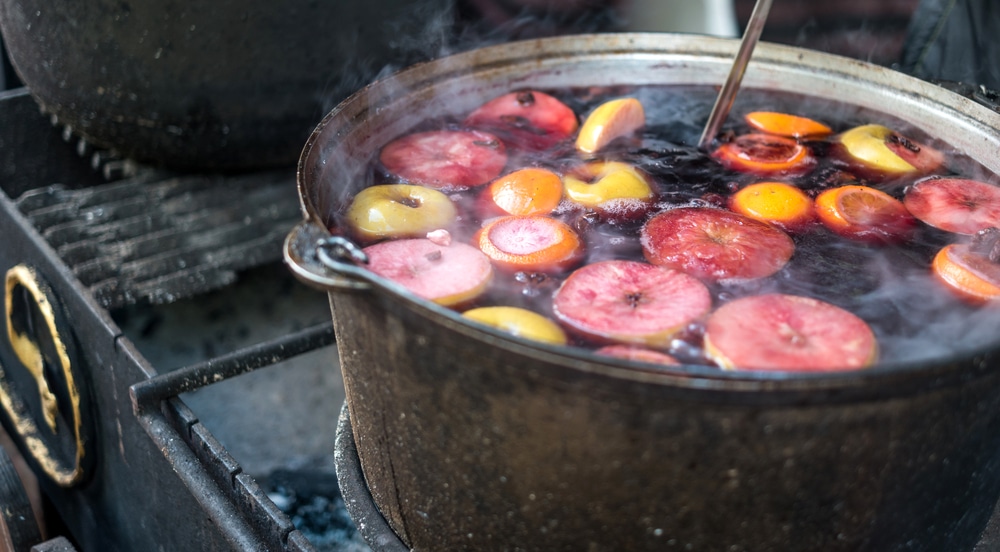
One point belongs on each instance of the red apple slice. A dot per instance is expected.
(955, 205)
(445, 159)
(640, 354)
(448, 275)
(715, 245)
(788, 333)
(765, 155)
(528, 119)
(630, 302)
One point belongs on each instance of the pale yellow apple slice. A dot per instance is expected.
(520, 322)
(611, 120)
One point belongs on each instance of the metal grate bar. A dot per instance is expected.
(159, 237)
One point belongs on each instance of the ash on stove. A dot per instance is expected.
(312, 500)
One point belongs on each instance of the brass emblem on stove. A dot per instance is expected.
(50, 392)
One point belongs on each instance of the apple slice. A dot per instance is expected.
(448, 275)
(520, 322)
(640, 354)
(609, 121)
(865, 214)
(399, 211)
(765, 155)
(630, 302)
(715, 245)
(883, 152)
(956, 205)
(616, 191)
(449, 160)
(777, 332)
(527, 119)
(530, 244)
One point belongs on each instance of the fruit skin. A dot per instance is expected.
(884, 152)
(520, 322)
(629, 302)
(640, 354)
(865, 214)
(970, 276)
(449, 160)
(715, 245)
(776, 203)
(956, 205)
(611, 120)
(398, 211)
(765, 155)
(448, 275)
(778, 332)
(530, 244)
(617, 191)
(784, 124)
(527, 119)
(524, 192)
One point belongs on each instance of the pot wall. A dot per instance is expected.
(472, 443)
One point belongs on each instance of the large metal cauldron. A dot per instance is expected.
(471, 439)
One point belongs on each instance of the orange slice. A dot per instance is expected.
(610, 121)
(536, 243)
(865, 214)
(765, 155)
(784, 124)
(971, 276)
(778, 203)
(530, 191)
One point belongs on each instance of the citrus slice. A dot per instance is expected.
(530, 244)
(777, 203)
(530, 191)
(609, 121)
(865, 214)
(520, 322)
(784, 124)
(788, 333)
(972, 276)
(765, 155)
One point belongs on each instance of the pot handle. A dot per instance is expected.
(324, 261)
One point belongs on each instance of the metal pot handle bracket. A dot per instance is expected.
(325, 261)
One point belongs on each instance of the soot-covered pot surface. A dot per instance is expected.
(473, 439)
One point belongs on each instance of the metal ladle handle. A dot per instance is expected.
(728, 93)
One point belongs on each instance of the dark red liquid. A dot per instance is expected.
(889, 286)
